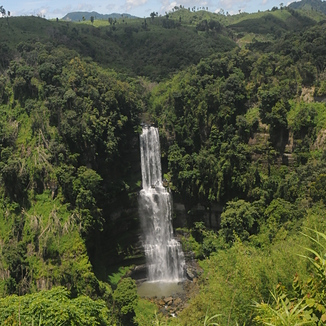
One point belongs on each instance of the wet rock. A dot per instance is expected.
(138, 273)
(177, 302)
(191, 274)
(168, 301)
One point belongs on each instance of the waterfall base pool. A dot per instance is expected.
(159, 289)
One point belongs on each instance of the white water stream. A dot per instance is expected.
(164, 256)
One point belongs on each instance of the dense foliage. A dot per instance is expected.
(66, 131)
(53, 307)
(242, 123)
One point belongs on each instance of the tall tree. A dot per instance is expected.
(153, 14)
(2, 11)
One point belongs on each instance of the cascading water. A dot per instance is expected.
(164, 256)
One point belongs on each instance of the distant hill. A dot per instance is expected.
(78, 16)
(316, 5)
(155, 50)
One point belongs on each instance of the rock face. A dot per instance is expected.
(191, 274)
(138, 273)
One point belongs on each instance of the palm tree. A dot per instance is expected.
(2, 11)
(153, 14)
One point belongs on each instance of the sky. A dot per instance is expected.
(140, 8)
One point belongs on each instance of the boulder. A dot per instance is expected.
(191, 274)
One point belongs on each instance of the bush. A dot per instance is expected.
(125, 300)
(53, 307)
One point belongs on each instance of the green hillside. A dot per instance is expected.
(239, 102)
(274, 22)
(137, 47)
(309, 5)
(78, 16)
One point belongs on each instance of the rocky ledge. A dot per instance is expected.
(173, 305)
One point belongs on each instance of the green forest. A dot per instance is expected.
(240, 103)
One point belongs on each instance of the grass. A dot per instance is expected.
(43, 205)
(250, 37)
(266, 23)
(146, 314)
(281, 15)
(25, 135)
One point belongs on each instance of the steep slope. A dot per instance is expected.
(275, 22)
(315, 5)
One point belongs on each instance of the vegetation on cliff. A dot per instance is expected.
(240, 105)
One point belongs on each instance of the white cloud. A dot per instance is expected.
(44, 11)
(33, 3)
(62, 11)
(172, 5)
(227, 4)
(41, 11)
(130, 4)
(110, 7)
(233, 5)
(65, 10)
(84, 7)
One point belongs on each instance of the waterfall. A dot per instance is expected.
(164, 256)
